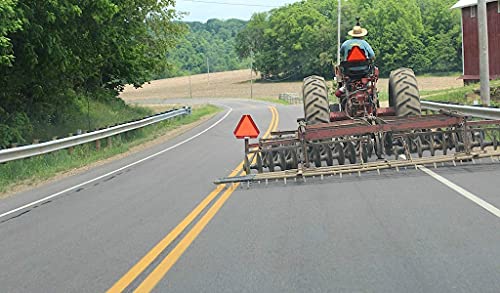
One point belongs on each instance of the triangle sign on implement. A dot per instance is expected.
(356, 54)
(246, 128)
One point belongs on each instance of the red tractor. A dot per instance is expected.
(357, 128)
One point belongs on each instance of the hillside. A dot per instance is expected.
(215, 39)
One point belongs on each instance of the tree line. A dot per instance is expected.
(212, 42)
(301, 38)
(54, 55)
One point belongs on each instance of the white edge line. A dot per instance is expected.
(477, 200)
(117, 170)
(485, 205)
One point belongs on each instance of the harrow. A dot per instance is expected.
(357, 135)
(363, 145)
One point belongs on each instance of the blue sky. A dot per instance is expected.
(242, 9)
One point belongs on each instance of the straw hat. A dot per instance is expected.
(358, 31)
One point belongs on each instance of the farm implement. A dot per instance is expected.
(357, 135)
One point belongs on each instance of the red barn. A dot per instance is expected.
(470, 39)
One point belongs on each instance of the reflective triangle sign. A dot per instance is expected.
(356, 54)
(246, 128)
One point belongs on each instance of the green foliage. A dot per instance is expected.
(9, 22)
(215, 39)
(301, 38)
(53, 53)
(35, 169)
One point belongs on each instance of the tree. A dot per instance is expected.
(53, 53)
(9, 22)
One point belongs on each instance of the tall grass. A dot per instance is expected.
(33, 170)
(456, 95)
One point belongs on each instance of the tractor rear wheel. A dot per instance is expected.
(404, 95)
(316, 108)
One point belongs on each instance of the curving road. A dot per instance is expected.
(160, 224)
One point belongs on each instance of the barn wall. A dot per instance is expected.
(471, 42)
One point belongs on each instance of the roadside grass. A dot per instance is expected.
(87, 115)
(33, 170)
(456, 95)
(274, 100)
(440, 74)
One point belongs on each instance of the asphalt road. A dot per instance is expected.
(153, 225)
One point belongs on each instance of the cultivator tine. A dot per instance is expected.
(355, 147)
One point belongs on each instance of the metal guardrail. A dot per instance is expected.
(291, 98)
(473, 111)
(32, 150)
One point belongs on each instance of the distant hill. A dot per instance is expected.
(214, 39)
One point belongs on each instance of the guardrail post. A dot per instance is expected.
(71, 149)
(110, 142)
(82, 137)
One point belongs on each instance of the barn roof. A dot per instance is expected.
(467, 3)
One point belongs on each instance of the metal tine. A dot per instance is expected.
(359, 173)
(284, 180)
(340, 175)
(378, 171)
(435, 165)
(454, 163)
(397, 169)
(473, 161)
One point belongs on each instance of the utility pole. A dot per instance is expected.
(208, 71)
(484, 67)
(251, 73)
(190, 86)
(339, 22)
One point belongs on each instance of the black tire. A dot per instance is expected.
(404, 95)
(316, 107)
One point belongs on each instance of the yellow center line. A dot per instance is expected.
(140, 266)
(166, 264)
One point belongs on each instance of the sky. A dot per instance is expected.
(201, 10)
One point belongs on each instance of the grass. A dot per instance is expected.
(440, 74)
(274, 100)
(82, 116)
(456, 95)
(37, 169)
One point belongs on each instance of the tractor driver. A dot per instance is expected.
(357, 33)
(349, 53)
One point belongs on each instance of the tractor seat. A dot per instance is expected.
(356, 69)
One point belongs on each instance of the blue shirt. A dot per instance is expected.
(347, 46)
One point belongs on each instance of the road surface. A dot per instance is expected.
(160, 224)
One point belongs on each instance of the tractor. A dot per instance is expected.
(356, 135)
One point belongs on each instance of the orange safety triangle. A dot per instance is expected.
(246, 128)
(356, 54)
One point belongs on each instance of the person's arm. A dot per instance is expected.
(371, 53)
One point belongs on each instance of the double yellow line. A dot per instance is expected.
(166, 264)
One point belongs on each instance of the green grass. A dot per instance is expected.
(455, 95)
(83, 116)
(441, 74)
(36, 169)
(274, 100)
